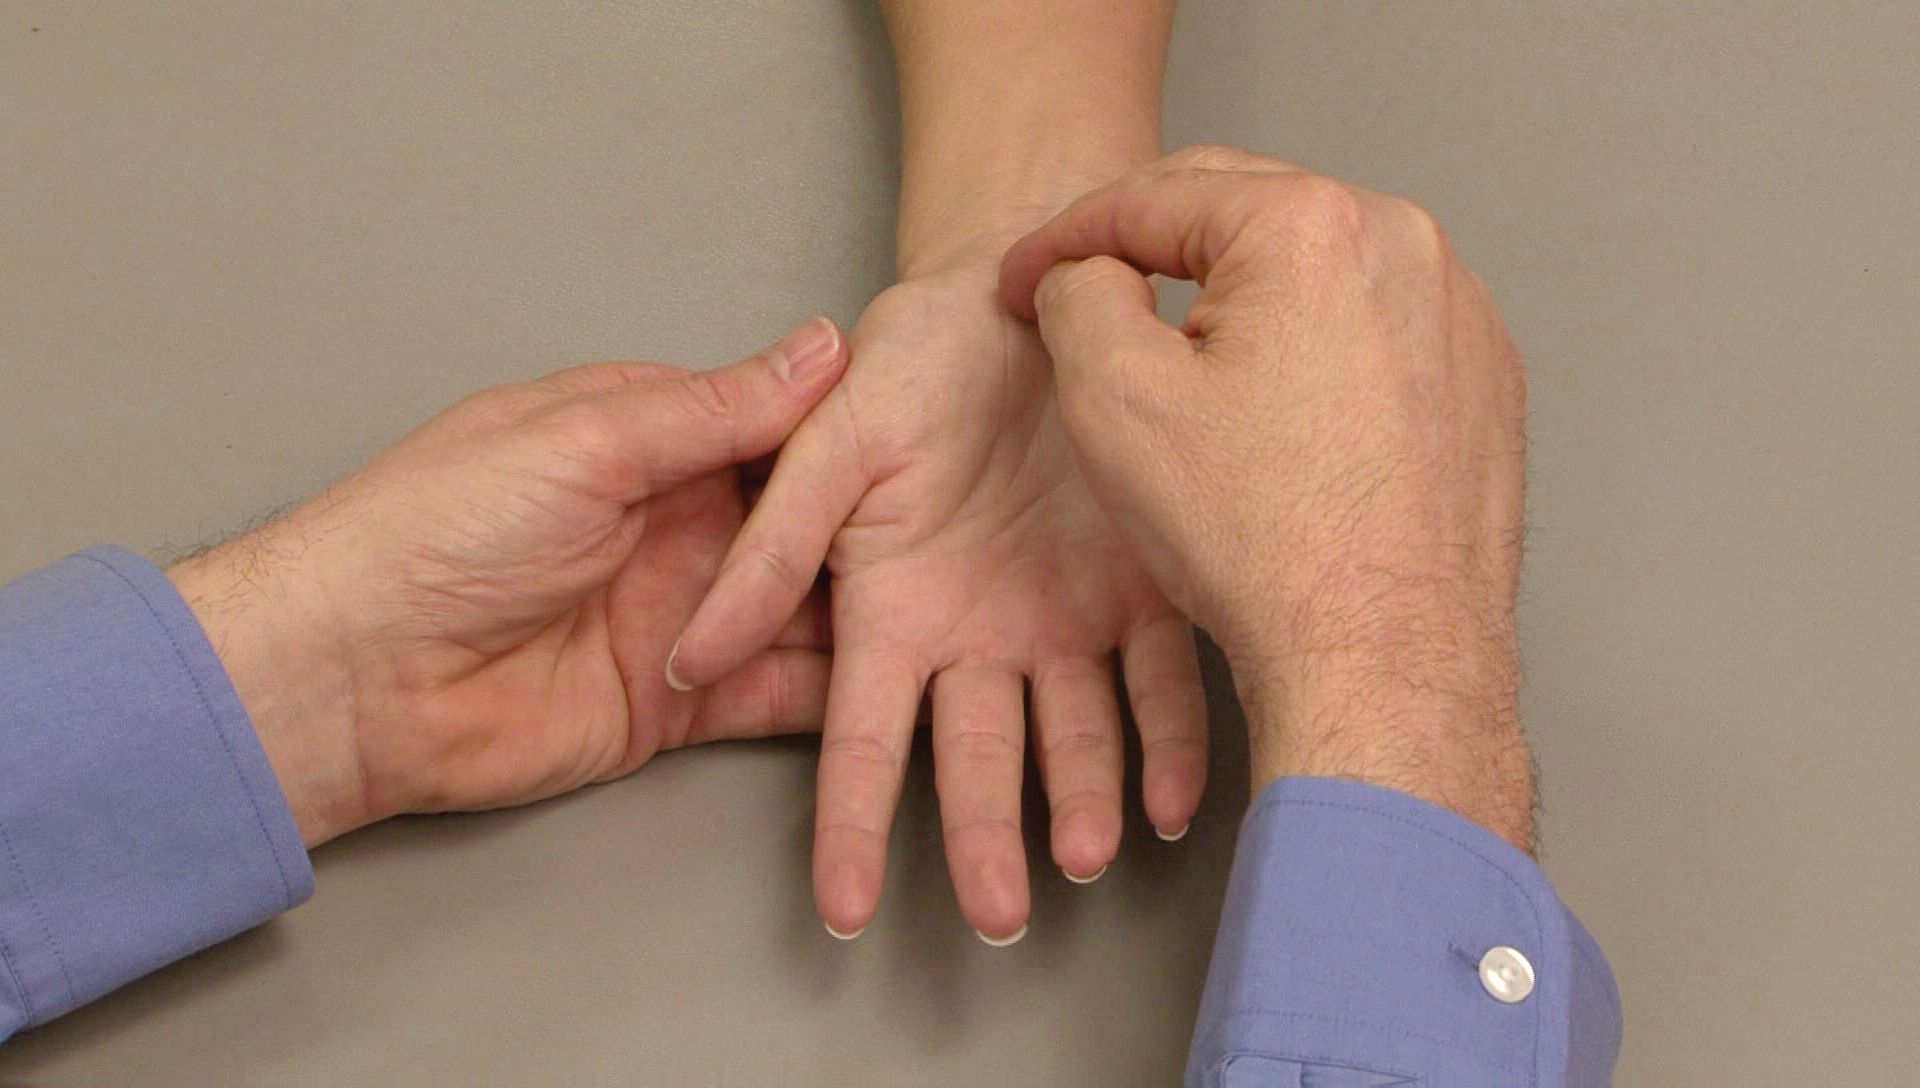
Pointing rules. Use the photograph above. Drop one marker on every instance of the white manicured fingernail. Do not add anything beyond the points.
(1002, 942)
(1176, 836)
(677, 684)
(1102, 871)
(839, 936)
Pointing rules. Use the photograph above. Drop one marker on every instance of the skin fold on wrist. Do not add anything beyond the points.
(972, 222)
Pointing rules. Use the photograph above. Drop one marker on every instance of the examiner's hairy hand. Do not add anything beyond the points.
(1324, 467)
(480, 616)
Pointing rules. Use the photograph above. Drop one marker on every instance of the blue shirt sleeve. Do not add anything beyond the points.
(139, 818)
(1370, 939)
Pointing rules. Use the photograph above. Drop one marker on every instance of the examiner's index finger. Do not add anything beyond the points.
(1174, 222)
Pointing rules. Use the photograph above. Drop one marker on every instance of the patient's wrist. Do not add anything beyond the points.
(950, 218)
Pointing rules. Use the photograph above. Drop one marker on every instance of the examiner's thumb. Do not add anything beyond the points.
(1098, 321)
(674, 430)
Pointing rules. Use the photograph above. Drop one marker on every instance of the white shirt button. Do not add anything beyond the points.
(1506, 974)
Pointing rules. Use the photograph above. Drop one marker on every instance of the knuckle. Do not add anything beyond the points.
(648, 371)
(1080, 742)
(1324, 207)
(500, 406)
(769, 558)
(863, 750)
(595, 377)
(1314, 214)
(990, 826)
(1083, 799)
(585, 437)
(1420, 232)
(1172, 745)
(718, 395)
(1064, 281)
(829, 827)
(583, 426)
(979, 745)
(1211, 157)
(779, 693)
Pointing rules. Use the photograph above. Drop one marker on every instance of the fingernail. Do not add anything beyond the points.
(1087, 879)
(673, 678)
(1174, 836)
(807, 350)
(1002, 942)
(839, 936)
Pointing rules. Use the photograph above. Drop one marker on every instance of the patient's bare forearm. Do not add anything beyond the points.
(1010, 108)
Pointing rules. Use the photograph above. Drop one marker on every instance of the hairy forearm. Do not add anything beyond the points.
(1010, 108)
(1437, 718)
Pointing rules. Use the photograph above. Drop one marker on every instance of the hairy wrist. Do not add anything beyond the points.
(1434, 717)
(271, 625)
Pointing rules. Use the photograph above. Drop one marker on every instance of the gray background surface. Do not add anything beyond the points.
(243, 246)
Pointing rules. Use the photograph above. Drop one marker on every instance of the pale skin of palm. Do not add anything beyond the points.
(969, 561)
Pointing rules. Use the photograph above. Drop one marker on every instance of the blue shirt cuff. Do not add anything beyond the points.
(139, 818)
(1350, 955)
